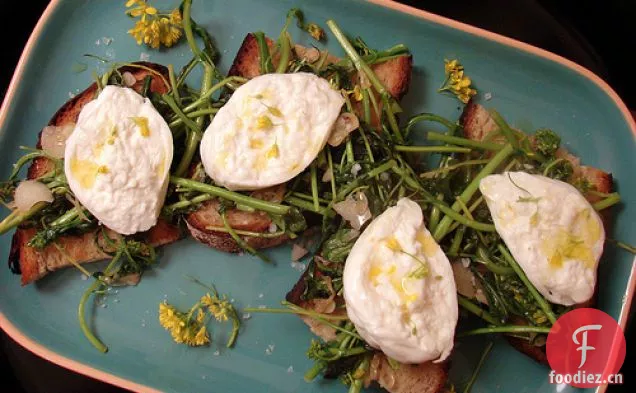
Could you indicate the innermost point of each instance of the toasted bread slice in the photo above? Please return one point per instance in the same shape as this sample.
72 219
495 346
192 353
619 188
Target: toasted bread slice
477 123
34 264
204 222
426 377
395 74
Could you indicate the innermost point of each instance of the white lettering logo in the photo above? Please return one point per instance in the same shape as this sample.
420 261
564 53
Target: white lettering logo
584 347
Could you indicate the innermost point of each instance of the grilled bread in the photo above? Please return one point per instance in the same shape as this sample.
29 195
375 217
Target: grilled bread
395 74
426 377
34 264
477 123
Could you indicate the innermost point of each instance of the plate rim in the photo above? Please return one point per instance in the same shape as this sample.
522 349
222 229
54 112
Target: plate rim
79 367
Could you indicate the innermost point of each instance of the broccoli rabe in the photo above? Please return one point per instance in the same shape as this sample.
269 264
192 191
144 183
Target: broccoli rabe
559 169
546 141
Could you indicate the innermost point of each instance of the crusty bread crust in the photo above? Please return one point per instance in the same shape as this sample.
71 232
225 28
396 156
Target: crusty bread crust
426 377
34 264
395 74
477 124
202 222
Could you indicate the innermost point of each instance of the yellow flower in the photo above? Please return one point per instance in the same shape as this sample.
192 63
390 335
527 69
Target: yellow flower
200 316
201 338
169 34
183 330
175 17
190 327
456 82
169 317
141 8
264 123
315 31
154 28
273 151
450 66
274 111
393 244
465 94
357 93
216 306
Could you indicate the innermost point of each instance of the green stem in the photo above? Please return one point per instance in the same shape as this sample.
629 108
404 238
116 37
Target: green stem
145 88
459 141
545 306
505 129
192 143
207 94
24 160
379 57
242 243
470 190
359 374
483 257
314 186
391 164
313 372
82 321
192 115
258 204
308 197
187 203
333 176
357 61
82 305
366 106
173 84
67 217
265 59
627 247
387 100
264 235
435 214
285 50
453 215
322 318
349 150
187 29
180 114
457 240
471 307
482 359
17 217
432 149
305 205
374 104
429 117
297 312
505 329
367 146
186 70
611 200
453 167
236 326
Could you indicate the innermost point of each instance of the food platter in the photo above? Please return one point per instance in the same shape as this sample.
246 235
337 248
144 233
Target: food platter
532 88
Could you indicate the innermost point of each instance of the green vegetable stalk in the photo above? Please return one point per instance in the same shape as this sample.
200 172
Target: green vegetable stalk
470 190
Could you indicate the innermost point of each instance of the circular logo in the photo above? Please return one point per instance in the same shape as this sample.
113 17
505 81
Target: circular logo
585 346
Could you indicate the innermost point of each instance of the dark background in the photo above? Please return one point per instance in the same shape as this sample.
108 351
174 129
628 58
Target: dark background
597 34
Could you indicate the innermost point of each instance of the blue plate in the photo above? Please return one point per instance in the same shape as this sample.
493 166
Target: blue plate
530 87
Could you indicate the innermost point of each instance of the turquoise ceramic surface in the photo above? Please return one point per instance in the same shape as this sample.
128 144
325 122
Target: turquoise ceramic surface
530 91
